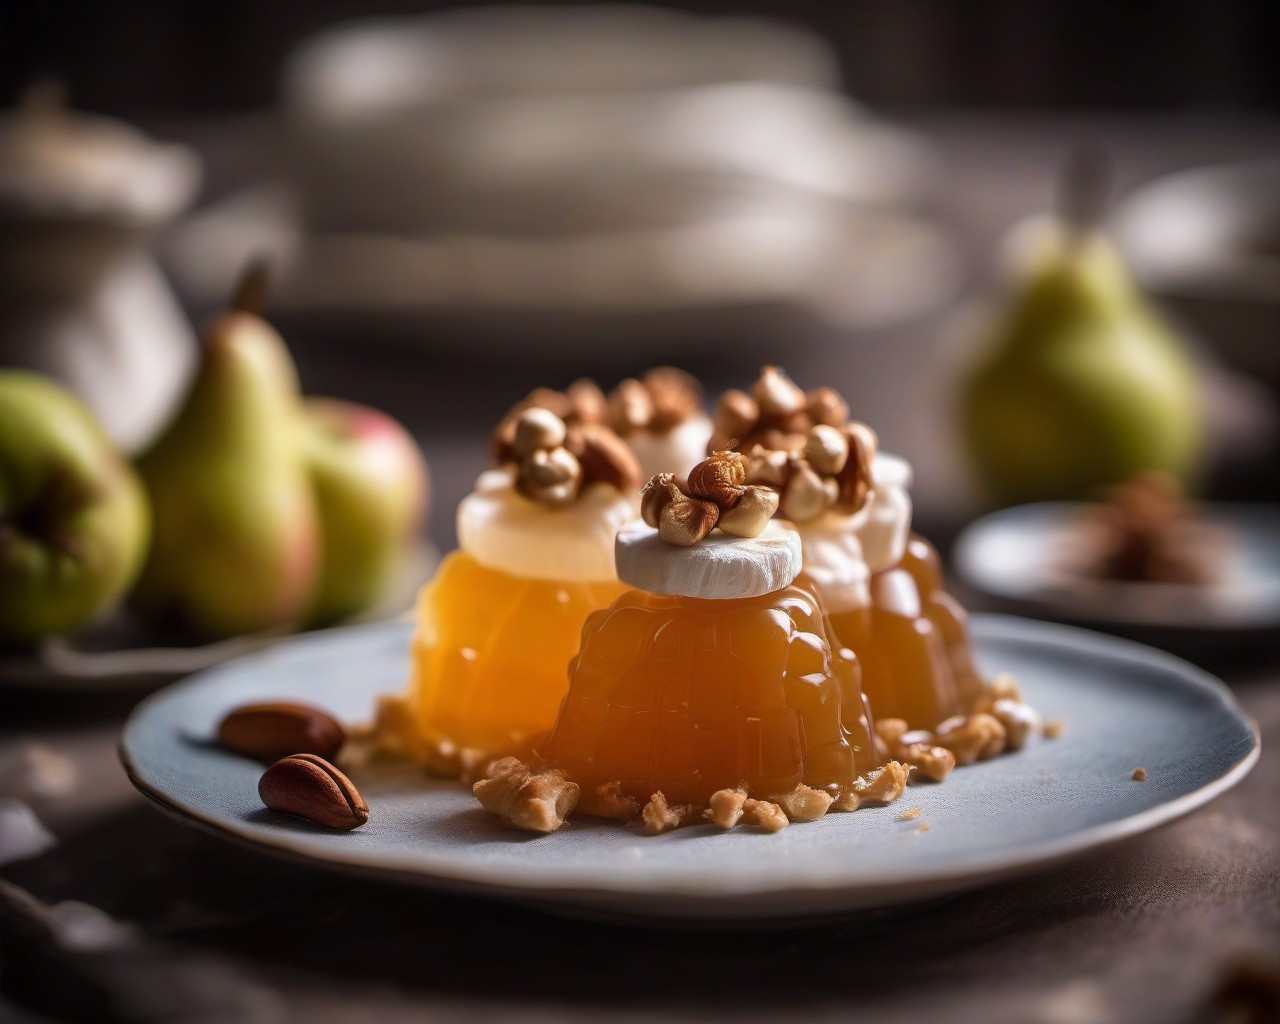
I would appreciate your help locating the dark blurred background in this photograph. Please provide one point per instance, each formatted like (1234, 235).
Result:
(981, 53)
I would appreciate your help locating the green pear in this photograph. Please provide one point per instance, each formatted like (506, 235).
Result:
(74, 521)
(371, 491)
(236, 545)
(1079, 382)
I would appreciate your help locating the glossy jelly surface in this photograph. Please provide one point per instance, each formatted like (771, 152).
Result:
(912, 642)
(689, 696)
(491, 653)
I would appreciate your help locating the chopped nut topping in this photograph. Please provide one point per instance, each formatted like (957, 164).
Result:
(1019, 721)
(804, 803)
(659, 402)
(537, 801)
(660, 816)
(1002, 687)
(915, 748)
(763, 814)
(975, 737)
(930, 762)
(883, 785)
(910, 814)
(609, 801)
(726, 807)
(1139, 775)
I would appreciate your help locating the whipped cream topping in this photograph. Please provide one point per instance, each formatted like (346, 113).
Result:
(677, 450)
(502, 529)
(718, 568)
(841, 552)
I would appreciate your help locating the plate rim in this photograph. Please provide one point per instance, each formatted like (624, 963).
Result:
(710, 889)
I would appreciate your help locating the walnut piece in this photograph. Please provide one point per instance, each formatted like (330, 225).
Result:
(1019, 721)
(883, 785)
(764, 814)
(660, 816)
(726, 807)
(537, 801)
(915, 748)
(975, 737)
(804, 803)
(609, 801)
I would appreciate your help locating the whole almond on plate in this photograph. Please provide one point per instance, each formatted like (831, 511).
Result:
(270, 731)
(310, 787)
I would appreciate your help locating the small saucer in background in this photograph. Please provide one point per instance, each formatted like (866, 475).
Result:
(1018, 559)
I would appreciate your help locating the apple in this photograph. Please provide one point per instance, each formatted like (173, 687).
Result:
(371, 487)
(74, 518)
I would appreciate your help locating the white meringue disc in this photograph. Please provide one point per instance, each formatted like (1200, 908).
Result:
(718, 568)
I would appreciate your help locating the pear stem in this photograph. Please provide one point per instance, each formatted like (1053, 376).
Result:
(1084, 189)
(251, 289)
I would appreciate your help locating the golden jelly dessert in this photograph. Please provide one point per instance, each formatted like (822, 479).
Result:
(881, 586)
(500, 621)
(690, 695)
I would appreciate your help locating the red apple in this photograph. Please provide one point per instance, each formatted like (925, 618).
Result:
(371, 488)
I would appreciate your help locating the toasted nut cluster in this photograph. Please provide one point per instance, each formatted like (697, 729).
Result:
(717, 496)
(802, 446)
(555, 459)
(536, 801)
(1141, 530)
(658, 402)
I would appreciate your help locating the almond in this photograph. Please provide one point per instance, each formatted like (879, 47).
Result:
(310, 787)
(269, 731)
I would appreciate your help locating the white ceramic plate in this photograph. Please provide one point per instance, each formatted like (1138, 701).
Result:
(1126, 706)
(1015, 556)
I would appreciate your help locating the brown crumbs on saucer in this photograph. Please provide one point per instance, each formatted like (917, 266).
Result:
(1139, 775)
(910, 814)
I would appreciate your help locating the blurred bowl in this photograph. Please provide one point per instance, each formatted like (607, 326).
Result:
(1207, 243)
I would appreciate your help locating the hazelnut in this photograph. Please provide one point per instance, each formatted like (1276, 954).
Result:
(827, 406)
(855, 476)
(767, 467)
(630, 407)
(685, 521)
(606, 458)
(551, 477)
(807, 495)
(826, 449)
(676, 397)
(719, 478)
(659, 492)
(777, 395)
(751, 514)
(536, 429)
(588, 401)
(735, 417)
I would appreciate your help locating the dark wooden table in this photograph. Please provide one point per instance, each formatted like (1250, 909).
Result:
(199, 930)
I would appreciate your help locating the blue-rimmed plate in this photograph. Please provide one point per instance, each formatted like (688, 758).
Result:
(1125, 707)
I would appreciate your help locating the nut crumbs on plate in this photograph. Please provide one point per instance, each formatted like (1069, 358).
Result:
(1139, 775)
(910, 814)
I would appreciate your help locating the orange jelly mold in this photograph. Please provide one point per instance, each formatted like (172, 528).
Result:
(490, 653)
(689, 696)
(912, 642)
